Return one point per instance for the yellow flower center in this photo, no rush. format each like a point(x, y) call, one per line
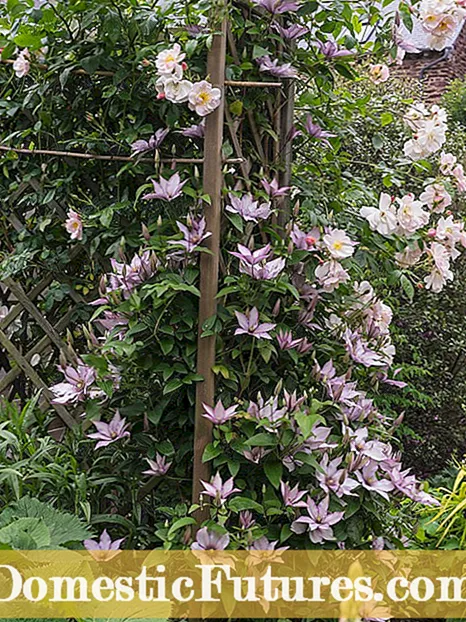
point(337, 245)
point(170, 58)
point(204, 97)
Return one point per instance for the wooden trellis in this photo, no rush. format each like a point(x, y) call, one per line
point(24, 308)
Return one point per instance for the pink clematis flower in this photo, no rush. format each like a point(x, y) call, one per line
point(154, 142)
point(158, 467)
point(219, 414)
point(112, 320)
point(367, 478)
point(219, 490)
point(331, 50)
point(166, 189)
point(195, 131)
point(292, 497)
point(104, 544)
point(273, 190)
point(248, 209)
point(315, 131)
point(276, 7)
point(77, 387)
point(256, 454)
point(286, 341)
point(207, 540)
point(305, 241)
point(291, 32)
point(108, 433)
point(249, 325)
point(330, 275)
point(318, 523)
point(246, 519)
point(193, 234)
point(333, 479)
point(273, 67)
point(74, 225)
point(256, 264)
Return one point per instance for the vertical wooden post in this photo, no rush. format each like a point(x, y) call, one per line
point(213, 182)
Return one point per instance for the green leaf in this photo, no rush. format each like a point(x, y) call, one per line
point(172, 385)
point(407, 286)
point(386, 118)
point(262, 440)
point(239, 504)
point(63, 527)
point(180, 523)
point(378, 141)
point(274, 471)
point(211, 452)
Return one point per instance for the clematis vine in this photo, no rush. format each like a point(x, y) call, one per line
point(295, 31)
point(292, 497)
point(273, 190)
point(108, 433)
point(331, 50)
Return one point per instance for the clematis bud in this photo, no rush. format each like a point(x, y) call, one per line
point(145, 232)
point(276, 308)
point(296, 209)
point(184, 66)
point(146, 62)
point(103, 285)
point(161, 96)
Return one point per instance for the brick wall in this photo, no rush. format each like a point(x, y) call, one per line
point(437, 78)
